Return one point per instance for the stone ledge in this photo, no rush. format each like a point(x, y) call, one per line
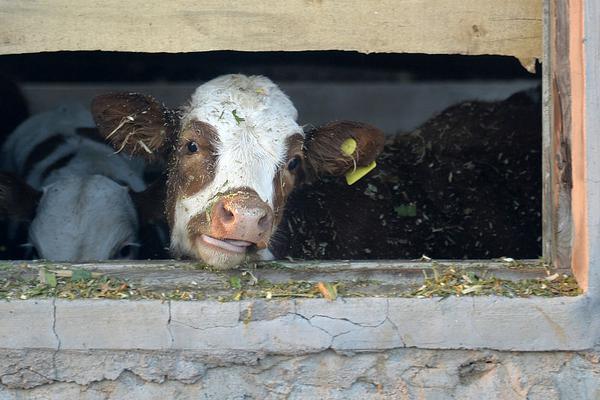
point(301, 326)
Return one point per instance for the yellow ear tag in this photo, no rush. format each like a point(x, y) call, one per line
point(348, 147)
point(354, 176)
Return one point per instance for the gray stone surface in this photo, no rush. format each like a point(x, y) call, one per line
point(27, 324)
point(303, 326)
point(394, 374)
point(110, 324)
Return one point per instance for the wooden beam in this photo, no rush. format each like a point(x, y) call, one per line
point(567, 193)
point(579, 206)
point(557, 148)
point(507, 27)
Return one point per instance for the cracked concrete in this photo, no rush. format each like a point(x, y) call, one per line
point(393, 374)
point(292, 327)
point(305, 348)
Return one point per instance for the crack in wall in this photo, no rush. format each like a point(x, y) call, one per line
point(197, 328)
point(58, 341)
point(295, 314)
point(347, 320)
point(169, 325)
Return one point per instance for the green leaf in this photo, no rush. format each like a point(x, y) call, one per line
point(406, 210)
point(50, 279)
point(81, 275)
point(235, 282)
point(238, 119)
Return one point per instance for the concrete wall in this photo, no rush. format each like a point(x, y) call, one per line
point(379, 348)
point(396, 374)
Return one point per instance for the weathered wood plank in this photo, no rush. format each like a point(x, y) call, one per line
point(508, 27)
point(557, 159)
point(547, 134)
point(577, 133)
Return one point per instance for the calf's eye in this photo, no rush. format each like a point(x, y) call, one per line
point(192, 147)
point(125, 252)
point(293, 164)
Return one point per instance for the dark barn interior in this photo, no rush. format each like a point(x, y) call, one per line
point(460, 176)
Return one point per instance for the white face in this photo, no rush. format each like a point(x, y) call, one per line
point(85, 219)
point(252, 118)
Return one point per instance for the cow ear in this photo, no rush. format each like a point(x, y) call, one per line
point(341, 147)
point(18, 200)
point(134, 123)
point(150, 203)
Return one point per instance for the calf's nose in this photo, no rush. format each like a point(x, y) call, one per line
point(243, 216)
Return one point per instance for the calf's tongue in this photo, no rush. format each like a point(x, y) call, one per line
point(235, 246)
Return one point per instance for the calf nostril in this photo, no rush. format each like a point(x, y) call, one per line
point(228, 214)
point(224, 213)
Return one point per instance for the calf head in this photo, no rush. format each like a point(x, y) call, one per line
point(76, 218)
point(235, 154)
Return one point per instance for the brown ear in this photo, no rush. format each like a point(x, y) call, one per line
point(135, 123)
point(17, 199)
point(324, 147)
point(150, 203)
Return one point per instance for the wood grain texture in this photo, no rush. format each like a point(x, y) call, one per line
point(558, 148)
point(579, 205)
point(507, 27)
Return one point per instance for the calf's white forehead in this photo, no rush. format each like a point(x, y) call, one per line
point(253, 118)
point(82, 219)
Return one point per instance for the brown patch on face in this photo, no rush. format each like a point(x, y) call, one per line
point(287, 178)
point(197, 225)
point(193, 163)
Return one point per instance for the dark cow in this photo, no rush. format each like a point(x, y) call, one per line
point(466, 184)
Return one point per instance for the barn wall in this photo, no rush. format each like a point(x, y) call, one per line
point(391, 106)
point(397, 374)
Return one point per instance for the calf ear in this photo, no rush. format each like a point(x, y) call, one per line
point(18, 200)
point(135, 123)
point(327, 152)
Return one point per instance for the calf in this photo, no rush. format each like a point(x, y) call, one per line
point(79, 197)
point(235, 154)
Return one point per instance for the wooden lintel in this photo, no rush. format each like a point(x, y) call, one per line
point(507, 27)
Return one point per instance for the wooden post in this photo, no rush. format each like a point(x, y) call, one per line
point(557, 147)
point(566, 205)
